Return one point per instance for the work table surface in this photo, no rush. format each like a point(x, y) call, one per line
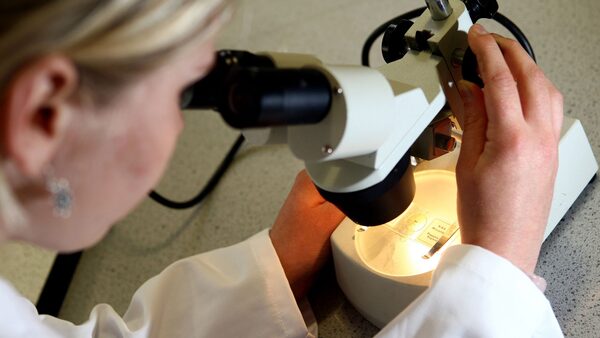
point(567, 43)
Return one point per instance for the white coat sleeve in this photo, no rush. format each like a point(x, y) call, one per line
point(476, 293)
point(239, 291)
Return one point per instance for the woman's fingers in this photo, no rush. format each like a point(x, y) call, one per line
point(504, 199)
point(536, 91)
point(532, 84)
point(474, 124)
point(501, 95)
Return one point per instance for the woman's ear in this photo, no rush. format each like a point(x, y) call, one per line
point(36, 110)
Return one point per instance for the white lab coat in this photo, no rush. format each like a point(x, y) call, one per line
point(241, 291)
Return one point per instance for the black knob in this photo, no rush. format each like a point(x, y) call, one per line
point(393, 45)
point(481, 9)
point(470, 69)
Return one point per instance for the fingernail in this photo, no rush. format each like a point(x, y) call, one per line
point(479, 30)
point(465, 91)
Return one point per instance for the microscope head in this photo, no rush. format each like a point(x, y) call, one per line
point(356, 128)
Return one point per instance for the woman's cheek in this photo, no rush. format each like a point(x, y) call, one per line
point(152, 148)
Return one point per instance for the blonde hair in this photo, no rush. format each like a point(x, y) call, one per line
point(110, 42)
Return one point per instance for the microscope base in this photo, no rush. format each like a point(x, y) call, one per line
point(381, 275)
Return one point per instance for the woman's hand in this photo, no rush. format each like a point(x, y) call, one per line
point(509, 156)
point(301, 233)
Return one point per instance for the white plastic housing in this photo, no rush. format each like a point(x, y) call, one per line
point(360, 119)
point(577, 165)
point(377, 115)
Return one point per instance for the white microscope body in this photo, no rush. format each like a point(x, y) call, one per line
point(376, 118)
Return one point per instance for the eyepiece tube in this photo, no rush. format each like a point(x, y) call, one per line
point(205, 93)
point(250, 92)
point(275, 97)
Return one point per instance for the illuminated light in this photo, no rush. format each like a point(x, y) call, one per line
point(397, 248)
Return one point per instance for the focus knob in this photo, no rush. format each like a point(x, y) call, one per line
point(470, 68)
point(481, 9)
point(393, 45)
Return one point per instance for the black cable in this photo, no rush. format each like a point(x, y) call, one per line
point(381, 29)
point(209, 187)
point(57, 284)
point(498, 17)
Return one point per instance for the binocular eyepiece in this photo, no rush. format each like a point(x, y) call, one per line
point(249, 92)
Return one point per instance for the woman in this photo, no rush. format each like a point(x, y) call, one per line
point(89, 117)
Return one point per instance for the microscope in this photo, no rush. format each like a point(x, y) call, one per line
point(381, 144)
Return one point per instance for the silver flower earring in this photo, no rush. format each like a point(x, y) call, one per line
point(62, 196)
